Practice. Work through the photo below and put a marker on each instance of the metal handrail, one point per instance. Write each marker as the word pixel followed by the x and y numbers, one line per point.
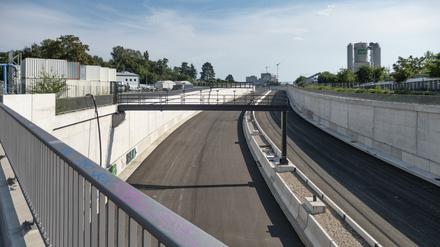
pixel 166 226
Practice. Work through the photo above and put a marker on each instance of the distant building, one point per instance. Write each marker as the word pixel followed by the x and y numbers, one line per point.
pixel 357 55
pixel 251 79
pixel 164 85
pixel 375 54
pixel 268 78
pixel 350 58
pixel 128 78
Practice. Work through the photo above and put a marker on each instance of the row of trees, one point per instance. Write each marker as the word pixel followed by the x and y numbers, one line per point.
pixel 70 47
pixel 403 69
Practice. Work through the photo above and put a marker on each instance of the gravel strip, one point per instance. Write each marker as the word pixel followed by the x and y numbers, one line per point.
pixel 332 223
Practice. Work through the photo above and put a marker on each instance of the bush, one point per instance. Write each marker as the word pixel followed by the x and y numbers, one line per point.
pixel 50 84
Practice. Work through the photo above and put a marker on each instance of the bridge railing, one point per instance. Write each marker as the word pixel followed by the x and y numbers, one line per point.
pixel 75 202
pixel 200 98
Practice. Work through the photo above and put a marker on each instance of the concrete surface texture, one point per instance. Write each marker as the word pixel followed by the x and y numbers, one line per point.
pixel 395 207
pixel 405 135
pixel 204 171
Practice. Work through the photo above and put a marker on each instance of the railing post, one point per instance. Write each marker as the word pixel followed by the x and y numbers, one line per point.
pixel 283 159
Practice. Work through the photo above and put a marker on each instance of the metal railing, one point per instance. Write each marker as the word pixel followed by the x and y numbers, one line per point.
pixel 423 85
pixel 200 98
pixel 75 202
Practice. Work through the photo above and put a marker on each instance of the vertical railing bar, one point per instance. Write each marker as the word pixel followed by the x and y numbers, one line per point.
pixel 81 217
pixel 133 233
pixel 121 228
pixel 75 214
pixel 70 203
pixel 111 233
pixel 66 223
pixel 87 213
pixel 60 201
pixel 94 217
pixel 102 221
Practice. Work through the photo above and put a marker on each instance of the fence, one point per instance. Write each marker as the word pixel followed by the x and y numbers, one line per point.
pixel 79 91
pixel 72 89
pixel 75 202
pixel 428 85
pixel 225 84
pixel 203 97
pixel 64 105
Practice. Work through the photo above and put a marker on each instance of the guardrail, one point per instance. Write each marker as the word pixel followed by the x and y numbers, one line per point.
pixel 75 202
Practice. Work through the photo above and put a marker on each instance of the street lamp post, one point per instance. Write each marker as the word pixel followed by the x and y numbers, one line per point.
pixel 99 128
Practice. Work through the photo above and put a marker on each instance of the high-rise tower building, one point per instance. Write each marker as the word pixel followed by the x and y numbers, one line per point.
pixel 350 56
pixel 375 59
pixel 357 55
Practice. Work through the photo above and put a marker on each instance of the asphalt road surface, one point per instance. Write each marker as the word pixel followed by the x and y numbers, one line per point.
pixel 395 207
pixel 204 172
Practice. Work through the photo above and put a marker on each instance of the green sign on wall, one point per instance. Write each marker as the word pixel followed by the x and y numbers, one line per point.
pixel 362 51
pixel 130 155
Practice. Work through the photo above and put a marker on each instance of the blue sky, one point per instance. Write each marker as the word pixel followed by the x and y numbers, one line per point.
pixel 238 37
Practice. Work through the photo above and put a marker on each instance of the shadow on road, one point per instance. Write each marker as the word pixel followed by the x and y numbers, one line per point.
pixel 169 187
pixel 280 228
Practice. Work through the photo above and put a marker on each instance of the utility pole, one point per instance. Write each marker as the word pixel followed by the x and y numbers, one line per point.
pixel 278 64
pixel 267 67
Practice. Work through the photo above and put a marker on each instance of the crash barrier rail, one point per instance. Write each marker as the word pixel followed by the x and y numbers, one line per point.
pixel 75 202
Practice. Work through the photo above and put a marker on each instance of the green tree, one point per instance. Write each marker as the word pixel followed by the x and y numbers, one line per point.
pixel 193 72
pixel 346 76
pixel 229 78
pixel 433 65
pixel 406 68
pixel 50 84
pixel 300 79
pixel 207 73
pixel 379 74
pixel 364 74
pixel 327 77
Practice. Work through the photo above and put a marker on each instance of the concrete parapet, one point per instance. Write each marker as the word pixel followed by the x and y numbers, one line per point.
pixel 307 228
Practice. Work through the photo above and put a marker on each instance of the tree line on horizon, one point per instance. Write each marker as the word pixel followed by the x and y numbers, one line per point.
pixel 70 47
pixel 403 69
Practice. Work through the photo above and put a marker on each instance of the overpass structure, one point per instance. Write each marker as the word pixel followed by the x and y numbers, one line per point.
pixel 211 101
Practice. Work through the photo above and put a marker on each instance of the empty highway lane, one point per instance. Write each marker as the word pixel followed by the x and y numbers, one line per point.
pixel 397 208
pixel 205 173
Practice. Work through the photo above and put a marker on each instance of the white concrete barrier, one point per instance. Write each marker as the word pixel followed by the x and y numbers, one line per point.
pixel 307 228
pixel 402 134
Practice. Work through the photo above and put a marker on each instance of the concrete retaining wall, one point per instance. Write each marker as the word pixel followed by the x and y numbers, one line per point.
pixel 141 130
pixel 402 134
pixel 305 225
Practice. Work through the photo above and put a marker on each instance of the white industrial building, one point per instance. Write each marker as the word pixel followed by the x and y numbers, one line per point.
pixel 80 79
pixel 129 79
pixel 357 55
pixel 164 85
